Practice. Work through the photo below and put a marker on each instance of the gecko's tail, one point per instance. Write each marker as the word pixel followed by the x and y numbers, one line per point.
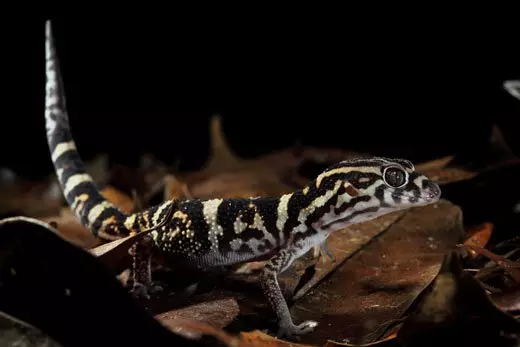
pixel 98 215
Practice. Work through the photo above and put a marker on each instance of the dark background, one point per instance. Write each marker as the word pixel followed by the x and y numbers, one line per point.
pixel 137 86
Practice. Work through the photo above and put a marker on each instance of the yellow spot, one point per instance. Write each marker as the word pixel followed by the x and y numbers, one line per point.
pixel 157 213
pixel 79 202
pixel 129 221
pixel 181 215
pixel 110 220
pixel 305 190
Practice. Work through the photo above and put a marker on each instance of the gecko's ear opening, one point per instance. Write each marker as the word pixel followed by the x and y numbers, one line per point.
pixel 513 88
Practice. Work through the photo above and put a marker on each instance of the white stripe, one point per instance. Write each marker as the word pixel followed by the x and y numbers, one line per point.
pixel 96 211
pixel 282 211
pixel 74 181
pixel 62 148
pixel 210 209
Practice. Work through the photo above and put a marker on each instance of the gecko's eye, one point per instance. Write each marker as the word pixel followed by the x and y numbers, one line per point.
pixel 394 177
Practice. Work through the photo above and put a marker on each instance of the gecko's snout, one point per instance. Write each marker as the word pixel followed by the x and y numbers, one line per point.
pixel 432 190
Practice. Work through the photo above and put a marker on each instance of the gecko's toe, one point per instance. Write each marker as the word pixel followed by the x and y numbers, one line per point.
pixel 139 291
pixel 156 288
pixel 292 331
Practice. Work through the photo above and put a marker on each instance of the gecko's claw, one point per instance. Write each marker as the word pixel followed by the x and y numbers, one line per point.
pixel 139 291
pixel 292 331
pixel 155 288
pixel 142 291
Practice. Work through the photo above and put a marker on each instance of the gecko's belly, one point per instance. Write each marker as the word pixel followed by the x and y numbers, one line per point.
pixel 207 258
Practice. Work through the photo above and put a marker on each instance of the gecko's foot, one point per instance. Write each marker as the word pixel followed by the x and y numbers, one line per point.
pixel 292 331
pixel 139 291
pixel 142 291
pixel 155 288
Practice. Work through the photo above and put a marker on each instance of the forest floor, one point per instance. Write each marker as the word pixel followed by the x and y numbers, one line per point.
pixel 448 272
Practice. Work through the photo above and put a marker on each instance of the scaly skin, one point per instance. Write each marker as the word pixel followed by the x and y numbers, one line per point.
pixel 208 233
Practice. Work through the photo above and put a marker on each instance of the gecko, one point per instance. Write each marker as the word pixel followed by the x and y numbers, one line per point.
pixel 215 232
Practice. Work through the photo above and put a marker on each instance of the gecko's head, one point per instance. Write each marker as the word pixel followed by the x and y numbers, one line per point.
pixel 364 188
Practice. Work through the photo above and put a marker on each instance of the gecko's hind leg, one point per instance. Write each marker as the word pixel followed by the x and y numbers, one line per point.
pixel 141 253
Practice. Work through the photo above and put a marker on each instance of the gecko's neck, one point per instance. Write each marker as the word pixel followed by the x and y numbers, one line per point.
pixel 329 208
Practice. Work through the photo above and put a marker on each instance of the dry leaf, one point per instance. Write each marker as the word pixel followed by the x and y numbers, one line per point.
pixel 175 189
pixel 194 330
pixel 511 267
pixel 72 230
pixel 479 236
pixel 376 285
pixel 121 200
pixel 257 338
pixel 217 313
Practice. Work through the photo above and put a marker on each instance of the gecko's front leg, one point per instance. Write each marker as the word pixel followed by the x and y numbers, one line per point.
pixel 271 288
pixel 141 253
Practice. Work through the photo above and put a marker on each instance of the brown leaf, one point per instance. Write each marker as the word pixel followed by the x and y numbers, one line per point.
pixel 195 330
pixel 511 267
pixel 121 200
pixel 221 156
pixel 72 230
pixel 435 164
pixel 35 199
pixel 174 189
pixel 257 338
pixel 113 252
pixel 389 341
pixel 455 308
pixel 479 236
pixel 217 313
pixel 227 175
pixel 342 244
pixel 379 282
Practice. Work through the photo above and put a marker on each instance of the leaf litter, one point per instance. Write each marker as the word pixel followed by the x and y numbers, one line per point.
pixel 372 293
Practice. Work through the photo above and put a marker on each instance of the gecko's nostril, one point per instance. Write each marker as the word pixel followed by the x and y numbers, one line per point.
pixel 433 190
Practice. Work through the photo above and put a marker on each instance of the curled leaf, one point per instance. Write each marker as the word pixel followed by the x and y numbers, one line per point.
pixel 479 236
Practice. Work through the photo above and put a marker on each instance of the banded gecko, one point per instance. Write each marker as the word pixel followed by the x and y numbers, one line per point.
pixel 207 233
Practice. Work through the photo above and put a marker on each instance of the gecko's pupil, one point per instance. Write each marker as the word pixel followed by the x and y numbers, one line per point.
pixel 395 177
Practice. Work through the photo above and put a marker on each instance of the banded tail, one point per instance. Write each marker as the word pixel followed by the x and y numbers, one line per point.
pixel 101 217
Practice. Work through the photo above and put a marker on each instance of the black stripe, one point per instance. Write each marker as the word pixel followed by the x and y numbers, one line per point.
pixel 296 203
pixel 227 213
pixel 349 204
pixel 322 210
pixel 60 135
pixel 268 209
pixel 379 194
pixel 351 216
